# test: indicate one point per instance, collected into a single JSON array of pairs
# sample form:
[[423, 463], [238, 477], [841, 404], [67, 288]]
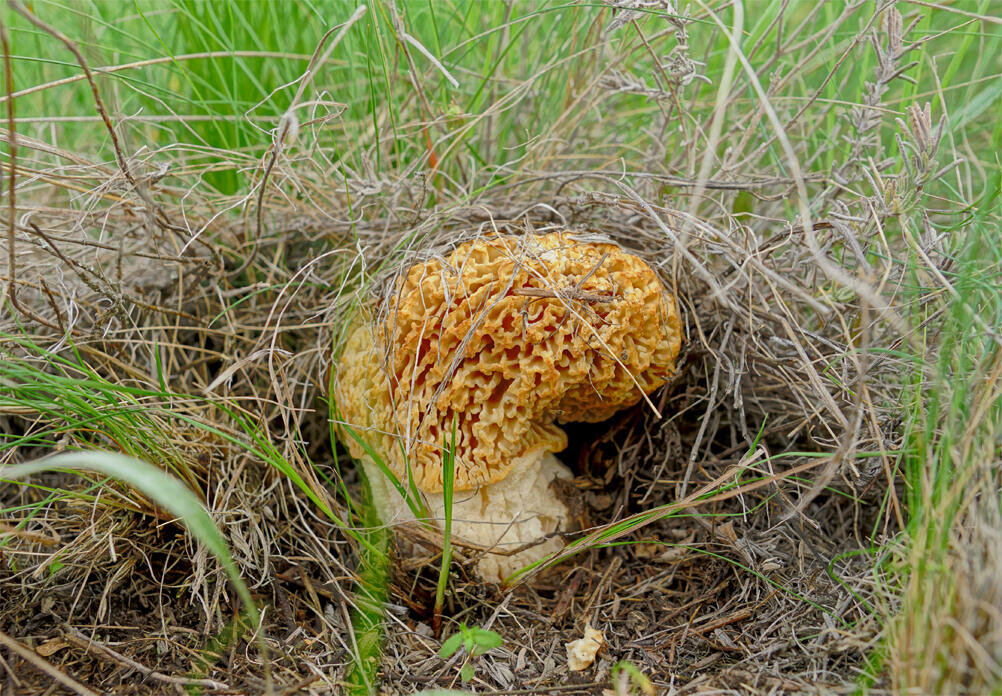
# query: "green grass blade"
[[448, 484]]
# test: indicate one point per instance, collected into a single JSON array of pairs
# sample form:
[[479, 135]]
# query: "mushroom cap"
[[505, 336]]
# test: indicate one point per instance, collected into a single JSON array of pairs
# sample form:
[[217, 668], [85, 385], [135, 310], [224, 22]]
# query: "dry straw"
[[219, 317]]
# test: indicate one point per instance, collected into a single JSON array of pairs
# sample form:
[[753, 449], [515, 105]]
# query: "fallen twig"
[[103, 651], [44, 665]]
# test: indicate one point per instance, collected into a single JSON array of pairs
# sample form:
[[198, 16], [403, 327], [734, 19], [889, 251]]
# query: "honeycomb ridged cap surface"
[[508, 335]]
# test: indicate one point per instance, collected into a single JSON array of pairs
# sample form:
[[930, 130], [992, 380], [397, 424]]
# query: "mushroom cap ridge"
[[507, 335]]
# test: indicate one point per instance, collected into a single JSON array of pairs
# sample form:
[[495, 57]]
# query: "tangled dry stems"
[[760, 369], [153, 282]]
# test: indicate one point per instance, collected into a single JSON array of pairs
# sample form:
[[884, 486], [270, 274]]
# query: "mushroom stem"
[[519, 510]]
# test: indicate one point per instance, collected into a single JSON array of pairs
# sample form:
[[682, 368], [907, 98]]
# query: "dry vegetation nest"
[[743, 583]]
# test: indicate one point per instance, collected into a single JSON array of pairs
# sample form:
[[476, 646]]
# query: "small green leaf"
[[451, 645], [486, 639], [640, 681], [466, 673]]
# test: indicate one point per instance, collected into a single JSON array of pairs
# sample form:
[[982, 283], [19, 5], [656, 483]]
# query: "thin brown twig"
[[44, 665], [568, 294], [12, 191], [98, 101], [119, 67], [288, 125], [71, 635]]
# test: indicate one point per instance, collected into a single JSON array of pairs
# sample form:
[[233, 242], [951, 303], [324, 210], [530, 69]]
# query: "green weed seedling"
[[628, 679], [475, 640]]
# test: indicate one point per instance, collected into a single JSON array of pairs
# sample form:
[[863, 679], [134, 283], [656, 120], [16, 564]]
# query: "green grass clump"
[[369, 602], [164, 490], [942, 635]]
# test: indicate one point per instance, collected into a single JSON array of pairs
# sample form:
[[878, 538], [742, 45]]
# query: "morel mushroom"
[[505, 337]]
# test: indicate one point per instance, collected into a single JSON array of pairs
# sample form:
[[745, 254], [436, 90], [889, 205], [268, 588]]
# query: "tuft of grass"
[[75, 401], [944, 631], [369, 601], [165, 491]]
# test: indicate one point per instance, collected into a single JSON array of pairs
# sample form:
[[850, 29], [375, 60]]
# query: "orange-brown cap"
[[507, 336]]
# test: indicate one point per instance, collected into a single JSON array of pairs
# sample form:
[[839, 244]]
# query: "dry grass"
[[146, 312]]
